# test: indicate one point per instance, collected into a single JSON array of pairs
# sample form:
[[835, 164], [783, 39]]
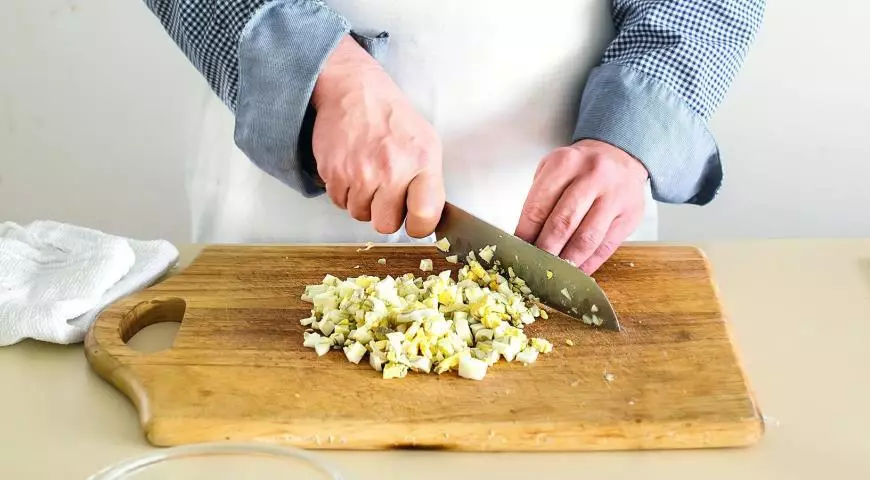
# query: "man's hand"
[[585, 200], [379, 158]]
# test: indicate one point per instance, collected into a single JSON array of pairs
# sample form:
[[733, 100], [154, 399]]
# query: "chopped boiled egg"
[[426, 325], [443, 245]]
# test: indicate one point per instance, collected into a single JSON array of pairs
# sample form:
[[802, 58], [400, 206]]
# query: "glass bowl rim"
[[134, 463]]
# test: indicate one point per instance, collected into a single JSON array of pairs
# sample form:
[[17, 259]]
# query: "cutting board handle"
[[106, 342], [149, 312], [107, 339]]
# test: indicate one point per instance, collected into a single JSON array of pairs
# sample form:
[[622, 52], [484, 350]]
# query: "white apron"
[[500, 82]]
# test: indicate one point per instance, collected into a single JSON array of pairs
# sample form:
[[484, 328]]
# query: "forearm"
[[263, 58], [662, 77]]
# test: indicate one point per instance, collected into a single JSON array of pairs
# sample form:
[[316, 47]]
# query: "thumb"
[[425, 202]]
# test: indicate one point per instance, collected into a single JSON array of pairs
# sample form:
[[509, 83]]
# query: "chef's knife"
[[568, 290]]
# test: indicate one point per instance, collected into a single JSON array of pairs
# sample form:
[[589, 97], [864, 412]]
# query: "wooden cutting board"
[[238, 371]]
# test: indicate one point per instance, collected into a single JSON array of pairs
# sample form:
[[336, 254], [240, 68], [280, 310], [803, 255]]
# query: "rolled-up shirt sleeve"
[[660, 80], [262, 58]]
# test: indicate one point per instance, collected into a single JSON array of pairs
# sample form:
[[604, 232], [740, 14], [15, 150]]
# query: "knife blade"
[[569, 291]]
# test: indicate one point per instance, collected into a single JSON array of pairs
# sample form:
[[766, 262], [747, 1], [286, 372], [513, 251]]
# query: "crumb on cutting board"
[[382, 261], [426, 265], [569, 342], [609, 377]]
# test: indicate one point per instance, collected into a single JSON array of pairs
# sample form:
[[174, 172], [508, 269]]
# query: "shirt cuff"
[[640, 115], [282, 50]]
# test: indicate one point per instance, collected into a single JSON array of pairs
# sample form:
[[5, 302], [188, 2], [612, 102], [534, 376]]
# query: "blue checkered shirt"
[[663, 75]]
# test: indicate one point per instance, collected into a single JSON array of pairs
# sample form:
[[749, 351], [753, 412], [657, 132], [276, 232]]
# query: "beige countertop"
[[800, 315]]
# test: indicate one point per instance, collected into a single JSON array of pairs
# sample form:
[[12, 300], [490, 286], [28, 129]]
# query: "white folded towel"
[[55, 278]]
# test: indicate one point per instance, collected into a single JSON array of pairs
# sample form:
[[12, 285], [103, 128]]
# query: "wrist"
[[344, 68], [612, 153]]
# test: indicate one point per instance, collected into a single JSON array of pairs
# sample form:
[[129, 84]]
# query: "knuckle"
[[364, 177], [535, 212], [333, 192], [338, 203], [361, 185], [417, 231], [386, 222], [557, 159], [425, 148], [568, 153], [588, 240], [324, 172], [600, 167], [560, 154], [571, 154], [606, 249], [399, 162], [384, 164], [387, 227], [427, 136], [393, 170], [561, 223], [360, 214], [424, 159]]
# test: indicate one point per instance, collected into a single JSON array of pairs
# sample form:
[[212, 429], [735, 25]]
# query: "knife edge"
[[569, 290]]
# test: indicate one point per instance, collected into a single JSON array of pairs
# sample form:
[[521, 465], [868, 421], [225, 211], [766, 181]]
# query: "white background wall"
[[98, 113], [794, 131]]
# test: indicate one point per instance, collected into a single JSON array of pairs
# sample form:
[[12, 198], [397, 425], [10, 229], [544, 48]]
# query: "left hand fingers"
[[568, 213], [620, 229], [599, 234], [547, 188], [602, 204]]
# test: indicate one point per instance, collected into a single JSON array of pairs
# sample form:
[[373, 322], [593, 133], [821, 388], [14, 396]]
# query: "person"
[[562, 121]]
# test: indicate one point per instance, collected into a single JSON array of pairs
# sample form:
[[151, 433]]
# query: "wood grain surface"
[[238, 371]]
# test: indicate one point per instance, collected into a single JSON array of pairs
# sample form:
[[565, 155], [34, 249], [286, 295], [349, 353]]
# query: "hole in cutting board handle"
[[151, 326]]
